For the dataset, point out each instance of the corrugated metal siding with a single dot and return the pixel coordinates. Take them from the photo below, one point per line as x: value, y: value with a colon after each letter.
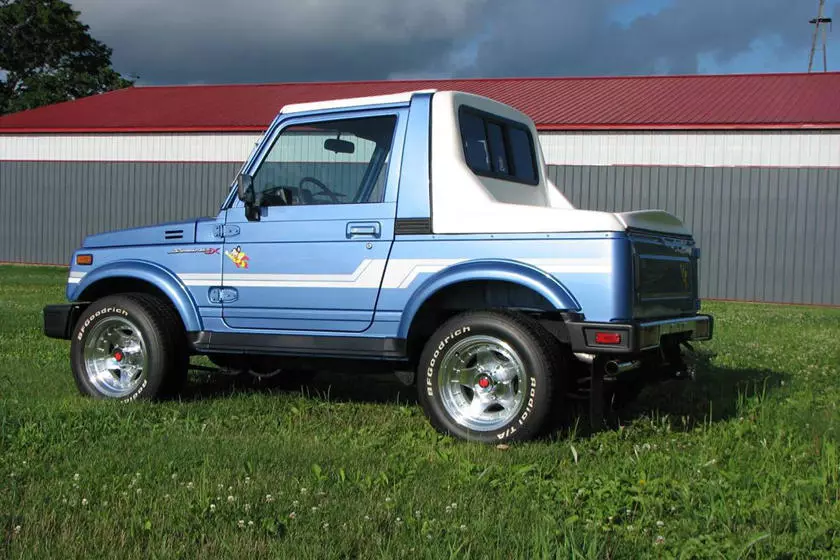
x: 47, y: 208
x: 708, y: 149
x: 813, y: 148
x: 767, y: 234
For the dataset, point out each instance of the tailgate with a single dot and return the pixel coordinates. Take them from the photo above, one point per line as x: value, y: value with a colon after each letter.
x: 665, y: 275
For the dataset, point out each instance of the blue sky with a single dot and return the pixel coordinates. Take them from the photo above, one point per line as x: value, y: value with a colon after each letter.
x: 764, y: 54
x: 219, y: 41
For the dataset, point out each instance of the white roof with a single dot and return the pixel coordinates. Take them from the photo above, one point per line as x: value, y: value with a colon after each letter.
x: 404, y: 97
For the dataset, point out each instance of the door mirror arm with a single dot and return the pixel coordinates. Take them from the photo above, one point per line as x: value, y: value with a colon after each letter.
x: 245, y: 192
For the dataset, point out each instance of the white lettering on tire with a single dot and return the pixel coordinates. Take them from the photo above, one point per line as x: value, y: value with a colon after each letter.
x: 430, y: 370
x: 96, y: 314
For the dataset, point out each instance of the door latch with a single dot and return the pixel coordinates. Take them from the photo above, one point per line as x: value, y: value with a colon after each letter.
x: 222, y: 295
x: 225, y: 230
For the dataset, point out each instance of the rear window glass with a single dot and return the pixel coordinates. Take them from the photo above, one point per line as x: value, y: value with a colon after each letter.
x: 522, y: 154
x: 475, y: 142
x: 497, y: 147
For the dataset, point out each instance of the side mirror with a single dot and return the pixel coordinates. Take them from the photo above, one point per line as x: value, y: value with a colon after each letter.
x: 245, y: 192
x: 339, y: 146
x: 245, y: 188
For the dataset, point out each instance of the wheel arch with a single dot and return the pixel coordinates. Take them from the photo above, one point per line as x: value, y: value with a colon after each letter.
x: 506, y: 284
x: 144, y: 277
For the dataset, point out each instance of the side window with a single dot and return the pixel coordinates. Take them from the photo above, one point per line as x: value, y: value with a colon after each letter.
x: 474, y: 138
x: 497, y: 147
x: 332, y: 162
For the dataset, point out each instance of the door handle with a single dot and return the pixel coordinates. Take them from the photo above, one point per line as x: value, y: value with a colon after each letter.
x: 364, y: 229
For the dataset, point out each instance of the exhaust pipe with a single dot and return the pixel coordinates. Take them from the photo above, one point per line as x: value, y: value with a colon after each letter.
x: 616, y: 368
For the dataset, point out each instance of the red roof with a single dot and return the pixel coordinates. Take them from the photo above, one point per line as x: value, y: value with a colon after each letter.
x: 753, y: 101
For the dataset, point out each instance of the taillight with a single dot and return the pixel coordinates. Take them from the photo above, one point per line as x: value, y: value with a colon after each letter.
x: 607, y: 338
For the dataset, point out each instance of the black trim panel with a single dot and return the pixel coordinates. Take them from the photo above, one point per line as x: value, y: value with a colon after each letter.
x: 299, y: 345
x: 59, y: 320
x: 636, y: 337
x: 413, y: 226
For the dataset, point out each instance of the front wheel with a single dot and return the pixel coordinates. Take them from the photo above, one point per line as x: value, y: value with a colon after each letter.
x: 128, y: 347
x: 488, y: 376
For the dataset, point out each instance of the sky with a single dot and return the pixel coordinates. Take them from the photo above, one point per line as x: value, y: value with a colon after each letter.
x: 248, y: 41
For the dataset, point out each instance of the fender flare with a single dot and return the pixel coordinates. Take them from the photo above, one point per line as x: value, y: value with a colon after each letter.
x: 511, y: 271
x: 160, y: 277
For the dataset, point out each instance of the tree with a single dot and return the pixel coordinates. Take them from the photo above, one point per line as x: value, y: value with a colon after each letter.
x: 48, y: 56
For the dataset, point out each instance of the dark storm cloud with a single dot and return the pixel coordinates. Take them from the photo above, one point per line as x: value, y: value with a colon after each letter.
x: 187, y: 41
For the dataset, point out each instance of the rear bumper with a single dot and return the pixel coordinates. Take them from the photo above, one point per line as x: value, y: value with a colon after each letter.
x: 59, y: 320
x: 640, y: 336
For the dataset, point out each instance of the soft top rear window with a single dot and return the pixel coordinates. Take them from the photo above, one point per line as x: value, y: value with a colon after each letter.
x: 497, y: 147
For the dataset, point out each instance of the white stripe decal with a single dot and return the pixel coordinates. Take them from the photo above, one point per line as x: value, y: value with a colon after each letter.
x: 400, y: 274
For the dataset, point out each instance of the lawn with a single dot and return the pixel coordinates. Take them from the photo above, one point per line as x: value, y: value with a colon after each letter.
x: 743, y: 462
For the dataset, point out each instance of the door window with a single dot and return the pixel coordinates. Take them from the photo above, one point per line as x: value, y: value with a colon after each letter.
x: 330, y: 162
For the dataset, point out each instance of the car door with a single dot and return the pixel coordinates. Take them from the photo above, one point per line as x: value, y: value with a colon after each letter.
x: 315, y: 259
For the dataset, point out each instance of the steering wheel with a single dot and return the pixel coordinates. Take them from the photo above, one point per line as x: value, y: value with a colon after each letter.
x: 324, y: 188
x: 277, y: 196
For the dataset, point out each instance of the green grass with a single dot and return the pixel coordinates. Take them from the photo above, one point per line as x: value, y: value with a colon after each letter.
x: 742, y: 463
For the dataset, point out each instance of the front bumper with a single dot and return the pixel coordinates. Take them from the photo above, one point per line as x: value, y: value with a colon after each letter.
x: 59, y: 320
x: 639, y: 336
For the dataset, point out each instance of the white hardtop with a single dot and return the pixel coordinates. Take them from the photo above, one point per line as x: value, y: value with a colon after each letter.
x: 403, y: 97
x: 463, y: 202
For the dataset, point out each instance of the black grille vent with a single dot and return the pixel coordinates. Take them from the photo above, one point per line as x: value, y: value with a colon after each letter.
x: 172, y: 234
x: 413, y: 226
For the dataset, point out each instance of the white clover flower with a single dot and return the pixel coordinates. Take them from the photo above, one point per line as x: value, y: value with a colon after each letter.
x: 76, y: 477
x: 250, y: 524
x: 247, y: 480
x: 314, y: 509
x: 17, y: 529
x: 247, y: 507
x: 212, y: 507
x: 269, y: 498
x: 660, y: 523
x: 463, y: 527
x: 231, y: 499
x: 174, y: 476
x: 454, y: 505
x: 84, y: 501
x: 303, y: 490
x: 292, y: 515
x: 367, y: 517
x: 325, y: 526
x: 388, y: 499
x: 241, y: 523
x: 417, y: 514
x: 659, y: 540
x: 139, y: 490
x: 190, y: 485
x: 230, y: 488
x: 295, y: 503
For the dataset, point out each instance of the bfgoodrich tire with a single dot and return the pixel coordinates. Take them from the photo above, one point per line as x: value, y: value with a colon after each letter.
x: 487, y: 376
x: 128, y: 347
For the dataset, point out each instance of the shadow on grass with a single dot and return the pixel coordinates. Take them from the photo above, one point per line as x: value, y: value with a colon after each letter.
x: 376, y: 388
x: 717, y: 394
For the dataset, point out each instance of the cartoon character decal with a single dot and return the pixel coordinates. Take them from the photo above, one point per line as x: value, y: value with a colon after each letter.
x: 238, y: 257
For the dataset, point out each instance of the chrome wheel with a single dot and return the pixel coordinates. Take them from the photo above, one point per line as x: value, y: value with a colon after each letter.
x: 482, y: 383
x: 115, y: 357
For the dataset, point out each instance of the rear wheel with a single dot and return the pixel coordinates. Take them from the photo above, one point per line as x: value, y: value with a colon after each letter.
x: 487, y: 376
x: 128, y: 347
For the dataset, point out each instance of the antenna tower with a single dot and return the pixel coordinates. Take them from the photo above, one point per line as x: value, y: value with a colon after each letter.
x: 819, y: 22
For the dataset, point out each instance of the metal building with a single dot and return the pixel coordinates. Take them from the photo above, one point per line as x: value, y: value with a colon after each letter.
x: 750, y: 162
